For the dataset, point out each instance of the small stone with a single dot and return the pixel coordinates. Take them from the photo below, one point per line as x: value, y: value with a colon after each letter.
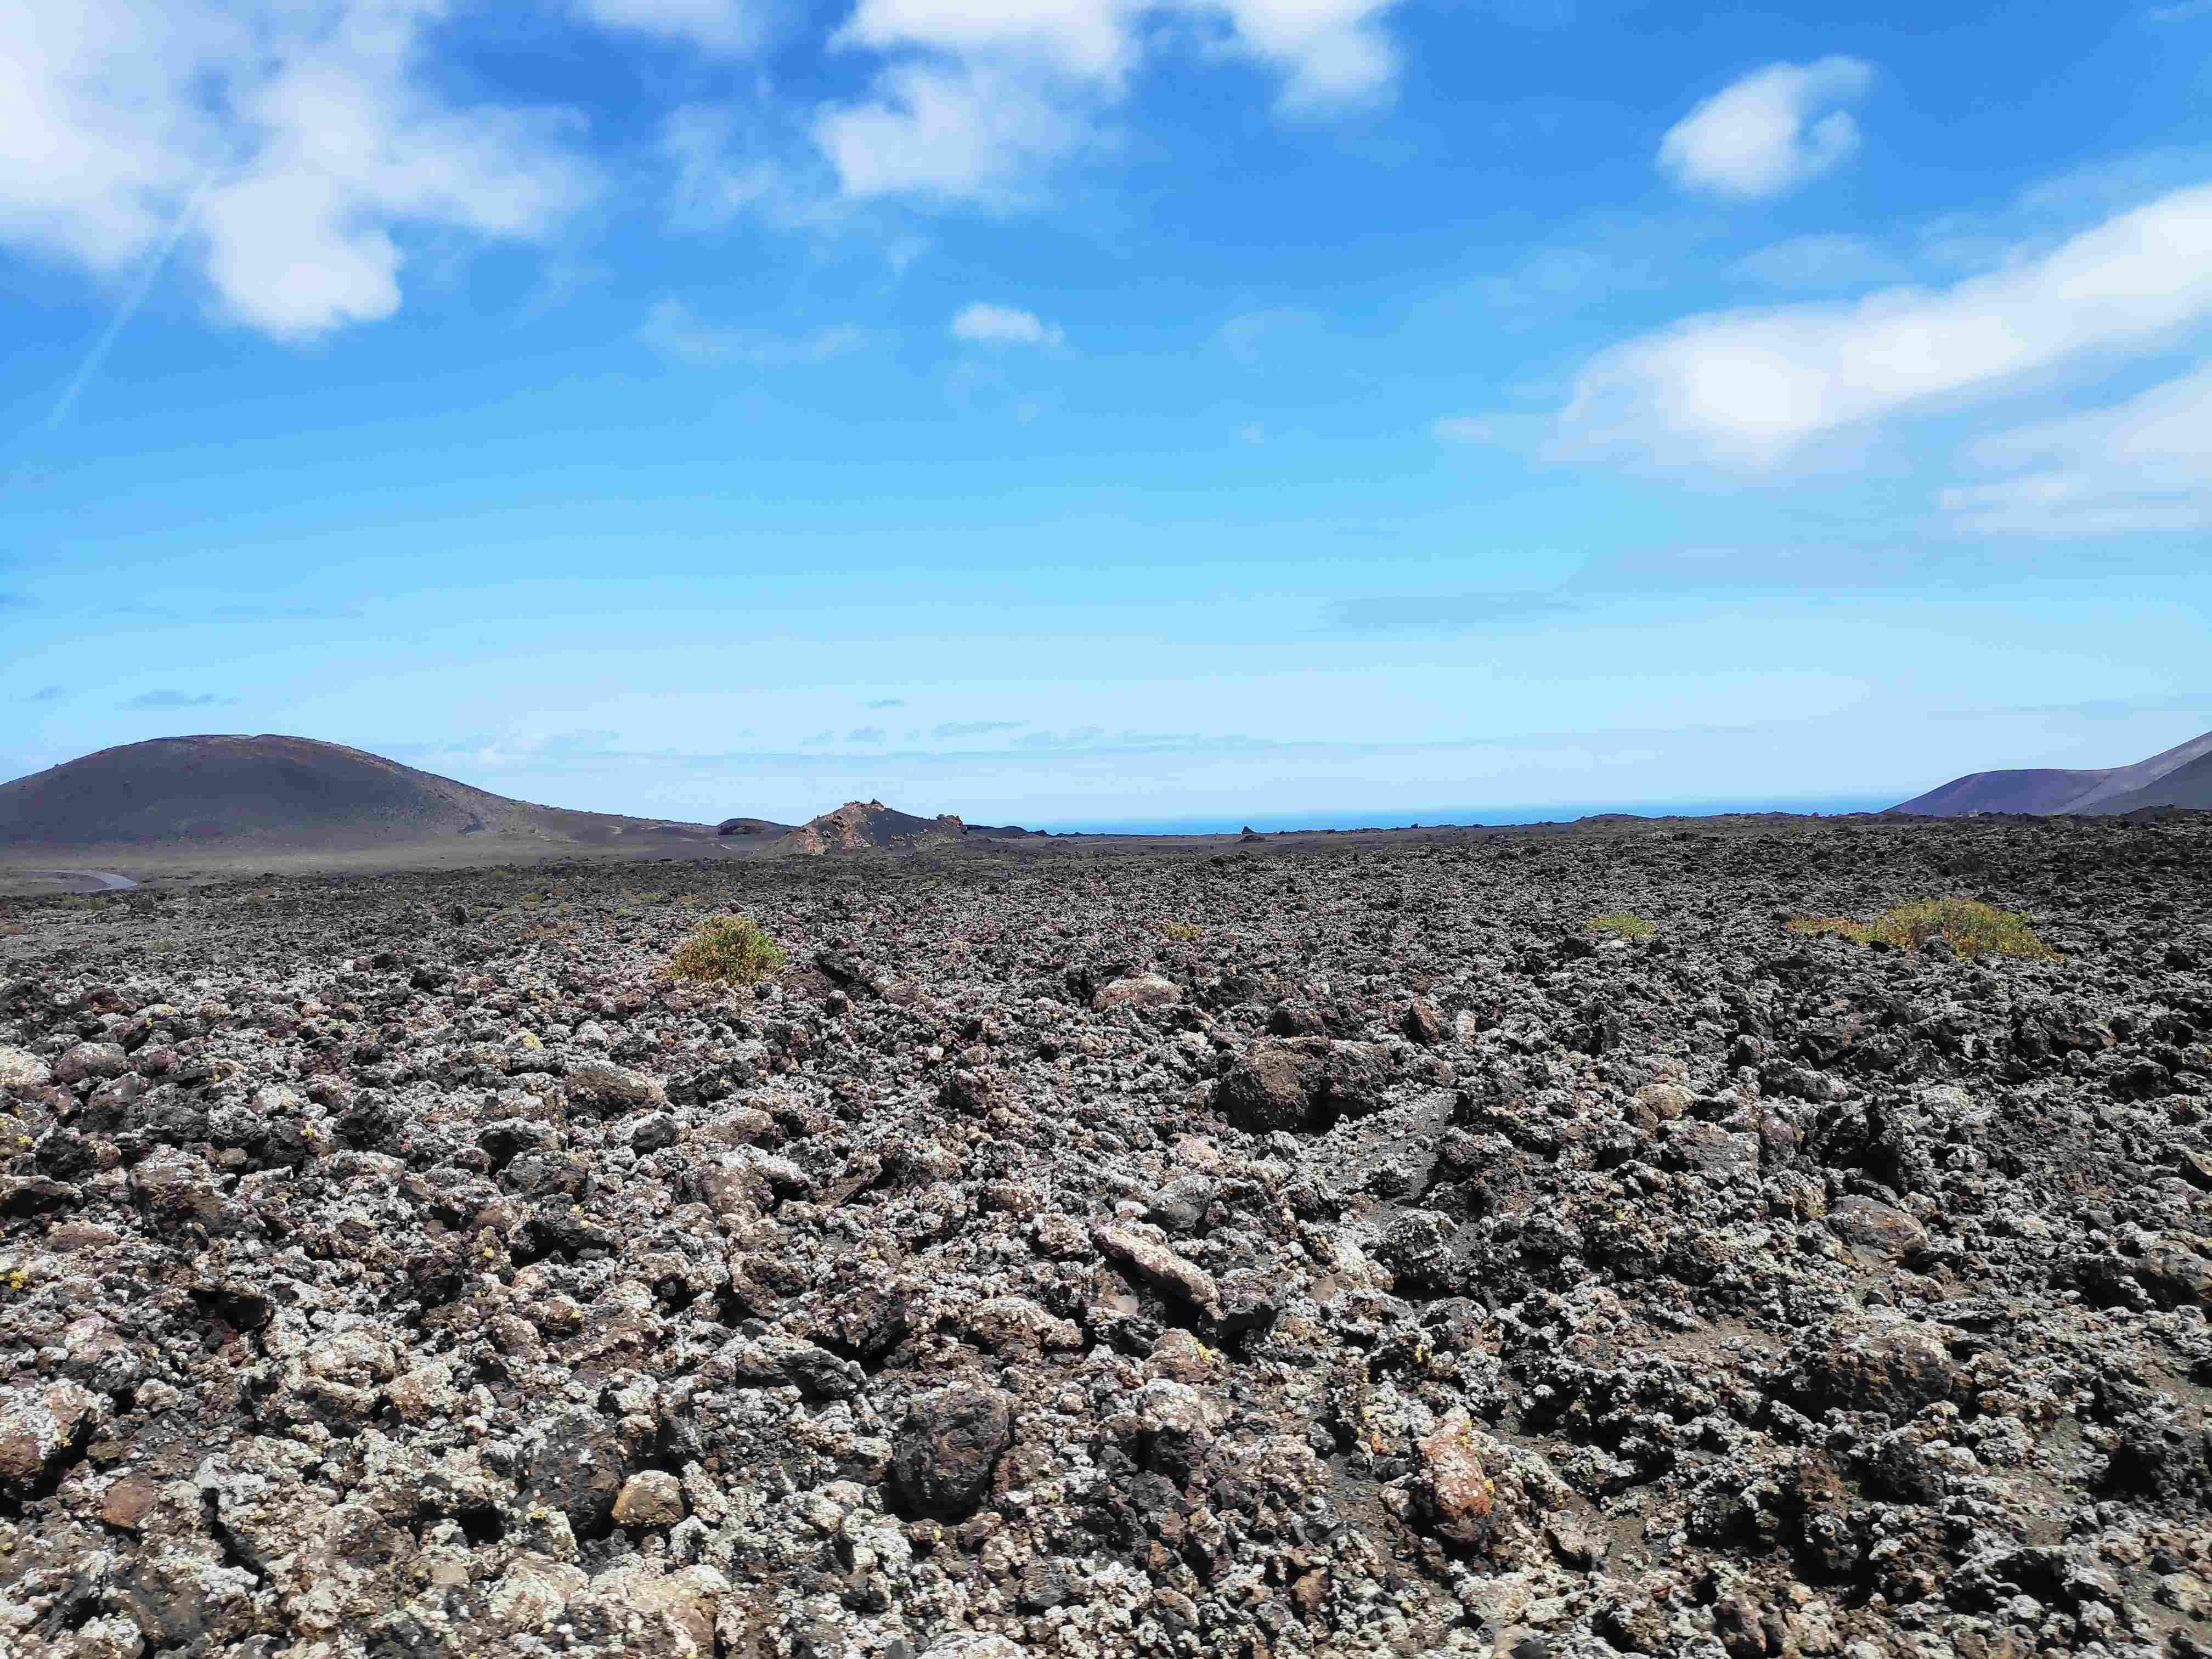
x: 1181, y: 1358
x: 1144, y: 991
x: 1270, y: 1088
x: 1883, y: 1229
x: 91, y: 1060
x: 20, y: 1070
x: 610, y: 1088
x: 944, y: 1451
x: 37, y: 1425
x: 1457, y: 1491
x: 127, y: 1501
x: 1181, y: 1204
x: 1167, y: 1272
x: 1044, y: 1585
x: 653, y: 1498
x: 973, y: 1644
x: 1423, y: 1022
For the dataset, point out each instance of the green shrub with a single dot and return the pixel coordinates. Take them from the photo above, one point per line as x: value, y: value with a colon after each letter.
x: 1623, y: 924
x: 1967, y: 926
x: 727, y: 950
x: 1185, y: 930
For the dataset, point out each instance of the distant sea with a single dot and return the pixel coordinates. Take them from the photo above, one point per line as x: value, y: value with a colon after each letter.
x: 1825, y: 805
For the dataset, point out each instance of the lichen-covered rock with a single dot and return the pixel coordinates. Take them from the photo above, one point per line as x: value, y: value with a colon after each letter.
x: 93, y: 1061
x: 37, y: 1425
x: 653, y: 1498
x: 19, y: 1070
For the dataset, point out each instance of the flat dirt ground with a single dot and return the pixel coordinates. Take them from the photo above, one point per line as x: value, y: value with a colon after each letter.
x: 1304, y: 1246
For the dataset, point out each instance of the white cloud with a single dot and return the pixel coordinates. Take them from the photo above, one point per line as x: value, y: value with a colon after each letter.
x: 1331, y: 51
x: 1770, y: 132
x: 2143, y: 465
x: 674, y: 331
x: 718, y: 26
x: 1092, y: 39
x: 977, y: 102
x: 316, y: 141
x: 980, y: 133
x: 982, y: 323
x: 1750, y: 389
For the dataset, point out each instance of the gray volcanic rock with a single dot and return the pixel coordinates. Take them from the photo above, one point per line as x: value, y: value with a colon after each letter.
x: 1307, y: 1250
x: 944, y: 1453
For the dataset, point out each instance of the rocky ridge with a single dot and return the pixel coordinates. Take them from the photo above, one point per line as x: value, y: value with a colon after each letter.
x: 864, y: 825
x: 1264, y: 1251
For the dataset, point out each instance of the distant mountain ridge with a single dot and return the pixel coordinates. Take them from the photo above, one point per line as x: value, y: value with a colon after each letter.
x: 2179, y: 776
x: 279, y: 792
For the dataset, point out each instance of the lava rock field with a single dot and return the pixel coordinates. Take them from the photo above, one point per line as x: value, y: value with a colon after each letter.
x: 1274, y: 1248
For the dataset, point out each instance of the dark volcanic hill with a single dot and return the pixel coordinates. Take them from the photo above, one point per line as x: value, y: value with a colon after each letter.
x: 2185, y: 786
x: 2176, y: 777
x: 274, y: 791
x: 865, y: 823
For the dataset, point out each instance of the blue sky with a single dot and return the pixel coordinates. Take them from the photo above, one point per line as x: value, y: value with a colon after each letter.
x: 1069, y: 410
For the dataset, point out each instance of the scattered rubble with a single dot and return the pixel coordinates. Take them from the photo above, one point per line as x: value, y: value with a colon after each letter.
x: 1266, y: 1249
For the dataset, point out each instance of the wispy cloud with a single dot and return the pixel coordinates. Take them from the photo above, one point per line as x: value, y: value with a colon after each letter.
x: 44, y: 694
x: 2143, y: 465
x: 975, y: 728
x: 1828, y: 260
x: 865, y: 734
x: 987, y: 324
x: 167, y: 699
x: 673, y: 330
x: 885, y: 702
x: 1770, y: 132
x: 1074, y: 737
x: 715, y: 26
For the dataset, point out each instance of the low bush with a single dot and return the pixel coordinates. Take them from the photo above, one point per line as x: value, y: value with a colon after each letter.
x: 1185, y: 930
x: 1623, y: 924
x: 1967, y: 926
x: 730, y: 950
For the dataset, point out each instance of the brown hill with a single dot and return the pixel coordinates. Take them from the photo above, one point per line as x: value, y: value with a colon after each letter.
x: 865, y: 823
x: 277, y: 792
x: 2152, y: 782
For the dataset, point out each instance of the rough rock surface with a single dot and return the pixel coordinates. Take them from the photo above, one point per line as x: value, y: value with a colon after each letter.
x: 1261, y: 1250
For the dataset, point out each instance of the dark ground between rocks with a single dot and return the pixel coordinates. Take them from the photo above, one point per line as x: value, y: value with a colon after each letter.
x: 1263, y: 1249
